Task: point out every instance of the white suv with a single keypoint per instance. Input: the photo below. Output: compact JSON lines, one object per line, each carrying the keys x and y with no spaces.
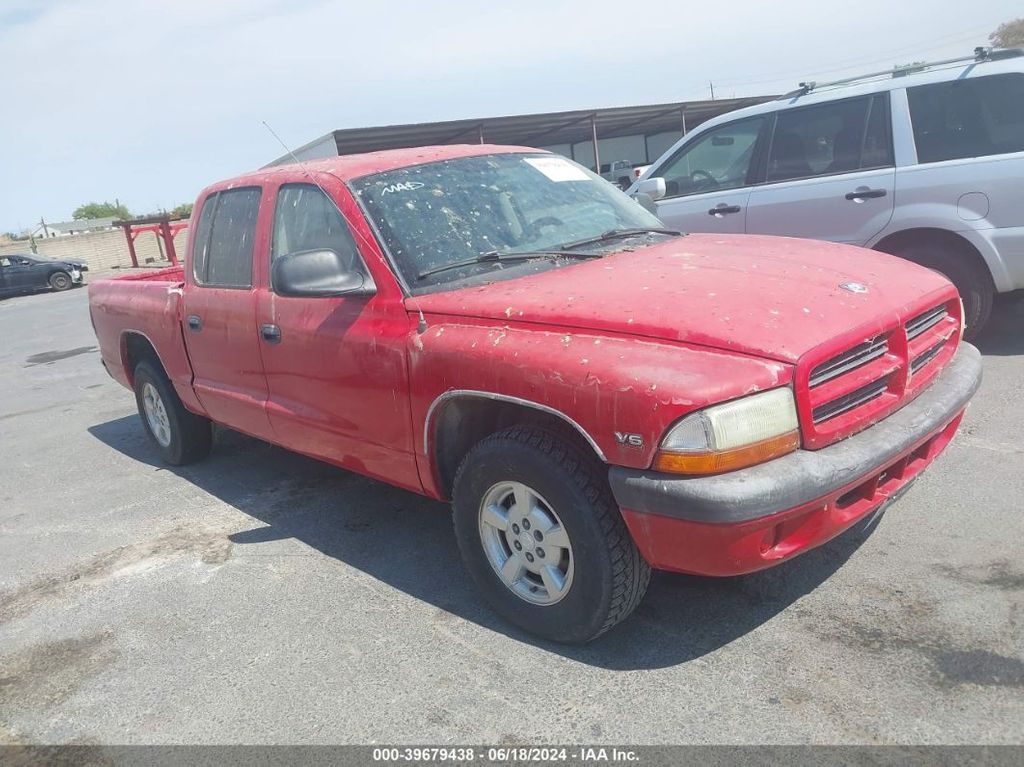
{"x":927,"y":164}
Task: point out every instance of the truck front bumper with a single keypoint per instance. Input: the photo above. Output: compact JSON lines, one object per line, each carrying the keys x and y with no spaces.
{"x":754,"y":518}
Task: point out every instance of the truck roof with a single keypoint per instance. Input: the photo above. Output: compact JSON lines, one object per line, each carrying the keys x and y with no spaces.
{"x":347,"y":167}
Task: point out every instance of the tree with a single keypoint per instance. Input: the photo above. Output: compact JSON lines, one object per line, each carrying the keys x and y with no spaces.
{"x":182,"y":211}
{"x":101,"y":210}
{"x":1008,"y":35}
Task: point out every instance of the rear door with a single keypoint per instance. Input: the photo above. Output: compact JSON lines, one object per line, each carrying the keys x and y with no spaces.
{"x":706,"y":182}
{"x":829,"y":173}
{"x":220,"y":312}
{"x":969,"y":137}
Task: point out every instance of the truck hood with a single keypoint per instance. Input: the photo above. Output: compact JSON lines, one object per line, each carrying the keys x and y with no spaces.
{"x":772,"y":297}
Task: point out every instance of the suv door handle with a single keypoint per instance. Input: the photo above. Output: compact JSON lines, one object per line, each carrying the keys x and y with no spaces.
{"x":865,"y":194}
{"x":271,"y":333}
{"x":195,"y":323}
{"x":723,"y":209}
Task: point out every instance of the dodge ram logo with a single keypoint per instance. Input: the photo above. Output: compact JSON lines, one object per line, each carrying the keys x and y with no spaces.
{"x":854,"y":287}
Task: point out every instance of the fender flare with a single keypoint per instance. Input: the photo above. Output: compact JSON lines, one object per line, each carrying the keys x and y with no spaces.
{"x":473,"y":393}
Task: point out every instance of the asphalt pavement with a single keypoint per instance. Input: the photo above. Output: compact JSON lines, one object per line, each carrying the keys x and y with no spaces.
{"x":262,"y":597}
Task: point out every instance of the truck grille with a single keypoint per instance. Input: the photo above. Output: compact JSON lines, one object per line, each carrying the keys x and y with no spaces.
{"x":856,"y":398}
{"x":922,"y":322}
{"x":849,"y":391}
{"x":923,"y":359}
{"x":847,"y":361}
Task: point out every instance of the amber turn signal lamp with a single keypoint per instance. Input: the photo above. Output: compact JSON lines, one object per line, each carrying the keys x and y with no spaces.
{"x":726,"y":460}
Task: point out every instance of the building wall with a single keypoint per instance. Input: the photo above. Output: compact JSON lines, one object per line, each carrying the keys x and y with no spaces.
{"x":659,"y":143}
{"x":632,"y":149}
{"x":563,"y":149}
{"x":318,"y":150}
{"x":102,"y":250}
{"x":628,"y":148}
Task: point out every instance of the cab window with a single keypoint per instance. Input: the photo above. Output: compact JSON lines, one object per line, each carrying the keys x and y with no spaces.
{"x":306,"y":219}
{"x":223,"y":246}
{"x":721,"y":159}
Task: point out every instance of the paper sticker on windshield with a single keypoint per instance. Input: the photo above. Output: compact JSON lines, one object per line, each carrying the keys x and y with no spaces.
{"x":558,"y":169}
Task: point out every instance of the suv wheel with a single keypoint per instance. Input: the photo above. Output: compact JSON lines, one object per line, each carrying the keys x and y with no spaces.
{"x":542,"y":537}
{"x":973,"y":282}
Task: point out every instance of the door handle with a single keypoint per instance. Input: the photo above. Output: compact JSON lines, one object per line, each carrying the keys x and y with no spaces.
{"x":723,"y":209}
{"x":271,"y":333}
{"x":865,"y":194}
{"x":195,"y":323}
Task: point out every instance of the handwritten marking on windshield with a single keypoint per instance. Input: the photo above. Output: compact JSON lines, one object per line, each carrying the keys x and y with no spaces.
{"x":402,"y":186}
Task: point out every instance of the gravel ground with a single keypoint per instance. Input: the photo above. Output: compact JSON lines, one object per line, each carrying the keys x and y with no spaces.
{"x":262,"y":597}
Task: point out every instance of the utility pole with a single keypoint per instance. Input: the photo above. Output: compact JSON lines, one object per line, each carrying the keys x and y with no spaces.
{"x":712,"y":90}
{"x":46,"y":232}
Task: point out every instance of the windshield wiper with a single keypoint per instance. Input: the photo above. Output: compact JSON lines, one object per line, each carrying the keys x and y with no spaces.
{"x":494,"y":256}
{"x":615,"y":234}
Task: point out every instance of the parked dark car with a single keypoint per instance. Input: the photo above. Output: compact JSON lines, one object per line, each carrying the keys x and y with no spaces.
{"x":25,"y":272}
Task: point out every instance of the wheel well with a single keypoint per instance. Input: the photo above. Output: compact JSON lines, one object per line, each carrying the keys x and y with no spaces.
{"x":462,"y":422}
{"x":135,"y":348}
{"x":894,"y":243}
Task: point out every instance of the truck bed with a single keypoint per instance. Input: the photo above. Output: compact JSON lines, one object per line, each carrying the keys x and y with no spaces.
{"x":141,"y":310}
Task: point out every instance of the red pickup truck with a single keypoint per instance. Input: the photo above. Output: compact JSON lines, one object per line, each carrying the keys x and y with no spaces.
{"x":595,"y":394}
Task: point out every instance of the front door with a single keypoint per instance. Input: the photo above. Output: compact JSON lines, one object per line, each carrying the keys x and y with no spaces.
{"x":220,"y":313}
{"x":830,"y":173}
{"x":336,"y":366}
{"x":706,"y":182}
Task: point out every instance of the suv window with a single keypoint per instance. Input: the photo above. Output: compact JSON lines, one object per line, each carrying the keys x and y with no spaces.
{"x":225,"y":259}
{"x":837,"y":137}
{"x":975,"y":117}
{"x":306,"y":219}
{"x":720,"y":159}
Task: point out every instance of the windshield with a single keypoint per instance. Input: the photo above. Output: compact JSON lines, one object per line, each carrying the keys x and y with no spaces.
{"x":456,"y":210}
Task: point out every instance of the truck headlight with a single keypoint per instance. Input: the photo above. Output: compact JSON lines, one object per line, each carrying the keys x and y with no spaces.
{"x":732,"y":435}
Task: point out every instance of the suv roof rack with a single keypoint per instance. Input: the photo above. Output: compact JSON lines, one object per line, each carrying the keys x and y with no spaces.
{"x":981,"y":55}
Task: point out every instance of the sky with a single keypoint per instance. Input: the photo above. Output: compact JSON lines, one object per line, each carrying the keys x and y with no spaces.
{"x":151,"y":100}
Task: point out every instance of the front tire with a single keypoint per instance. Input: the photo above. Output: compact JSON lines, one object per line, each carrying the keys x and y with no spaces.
{"x":542,"y":537}
{"x":181,"y":437}
{"x":60,"y":281}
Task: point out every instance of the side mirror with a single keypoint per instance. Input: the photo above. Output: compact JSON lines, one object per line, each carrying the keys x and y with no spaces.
{"x":653,"y":187}
{"x":646,"y":202}
{"x":318,"y":274}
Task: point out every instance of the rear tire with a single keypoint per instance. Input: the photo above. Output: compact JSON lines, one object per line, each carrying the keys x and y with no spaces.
{"x":973,"y":282}
{"x":60,"y":281}
{"x":585,"y":576}
{"x":181,"y":437}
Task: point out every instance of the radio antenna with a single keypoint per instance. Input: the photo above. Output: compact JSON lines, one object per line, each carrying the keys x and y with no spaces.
{"x":302,"y":165}
{"x":312,"y":178}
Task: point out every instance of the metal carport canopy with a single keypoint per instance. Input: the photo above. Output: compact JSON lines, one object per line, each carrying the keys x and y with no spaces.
{"x":536,"y":129}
